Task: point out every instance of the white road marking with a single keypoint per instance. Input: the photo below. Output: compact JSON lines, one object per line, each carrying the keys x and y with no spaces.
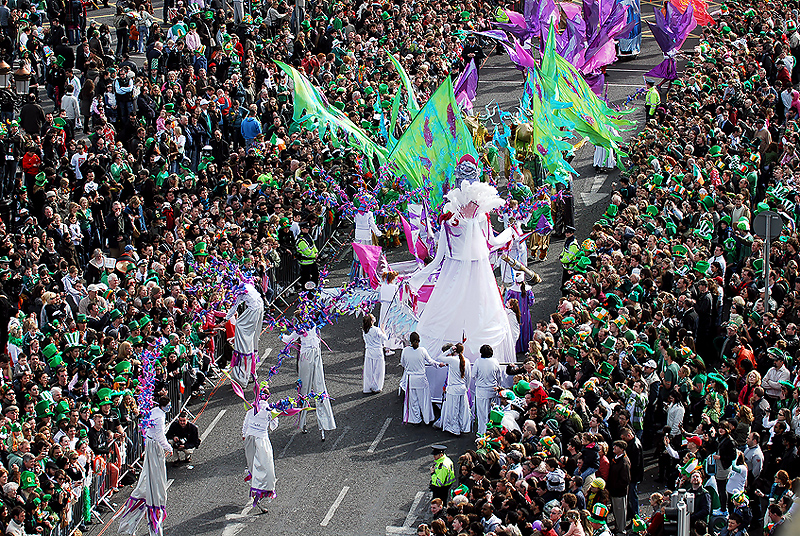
{"x":169,"y":482}
{"x":334,"y":506}
{"x":412,"y":512}
{"x":391,"y":531}
{"x":593,"y":195}
{"x":264,"y":357}
{"x":231,"y":529}
{"x":338,"y":439}
{"x":374,"y":444}
{"x":288,"y":443}
{"x":212,"y":425}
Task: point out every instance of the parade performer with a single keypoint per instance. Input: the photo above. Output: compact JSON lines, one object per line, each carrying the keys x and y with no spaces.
{"x":417,"y":406}
{"x":150,"y":494}
{"x":541,"y":225}
{"x":374,"y":364}
{"x":465,"y":299}
{"x":487,"y":380}
{"x":517,"y":248}
{"x":258,"y":421}
{"x":456,"y":416}
{"x":249,"y":312}
{"x":387,"y":293}
{"x":312,"y":377}
{"x":366,"y":227}
{"x":520,"y":292}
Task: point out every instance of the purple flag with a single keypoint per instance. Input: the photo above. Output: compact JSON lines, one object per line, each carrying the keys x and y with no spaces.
{"x":466,"y":87}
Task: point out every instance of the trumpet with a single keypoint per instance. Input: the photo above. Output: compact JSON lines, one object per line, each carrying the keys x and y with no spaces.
{"x":516,"y":265}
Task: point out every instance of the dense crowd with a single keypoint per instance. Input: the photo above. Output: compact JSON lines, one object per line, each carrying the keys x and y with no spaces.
{"x":662,"y":345}
{"x":148,"y":165}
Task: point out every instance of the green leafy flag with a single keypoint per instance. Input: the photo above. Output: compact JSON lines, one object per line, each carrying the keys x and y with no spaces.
{"x":411,"y":104}
{"x":311,"y":109}
{"x":547,"y":129}
{"x":432,"y":145}
{"x":590,"y":115}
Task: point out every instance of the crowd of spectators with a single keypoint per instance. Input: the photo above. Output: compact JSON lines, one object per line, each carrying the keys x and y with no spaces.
{"x":662,"y":350}
{"x":135,"y":155}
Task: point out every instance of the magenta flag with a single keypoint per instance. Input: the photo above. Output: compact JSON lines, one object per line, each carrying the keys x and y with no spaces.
{"x":369,"y":257}
{"x":409,"y":235}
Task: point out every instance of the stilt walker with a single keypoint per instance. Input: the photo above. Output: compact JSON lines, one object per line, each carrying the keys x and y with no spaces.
{"x":249,"y":312}
{"x":258,"y":421}
{"x":150,"y":495}
{"x":312,"y":377}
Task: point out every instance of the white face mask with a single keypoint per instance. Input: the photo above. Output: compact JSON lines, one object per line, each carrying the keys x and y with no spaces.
{"x":168,"y":408}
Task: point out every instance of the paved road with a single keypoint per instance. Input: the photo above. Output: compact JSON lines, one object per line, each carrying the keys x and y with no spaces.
{"x":372,"y":471}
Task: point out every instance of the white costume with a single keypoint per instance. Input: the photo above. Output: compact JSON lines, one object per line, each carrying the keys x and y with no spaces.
{"x":366,"y":227}
{"x":456,"y":416}
{"x":387,"y":293}
{"x":417,"y":406}
{"x":604,"y":158}
{"x":248,"y":331}
{"x":465,"y":301}
{"x":374,"y":363}
{"x":312,"y":376}
{"x":150,"y":494}
{"x":258,"y":451}
{"x":517,"y":249}
{"x":488,"y":376}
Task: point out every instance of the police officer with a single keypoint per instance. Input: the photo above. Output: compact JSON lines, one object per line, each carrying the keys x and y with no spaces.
{"x":651,"y":100}
{"x":442,"y":473}
{"x":569,"y":233}
{"x":307,"y":257}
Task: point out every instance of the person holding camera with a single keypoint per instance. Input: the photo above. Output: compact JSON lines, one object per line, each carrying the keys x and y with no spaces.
{"x":184,"y":438}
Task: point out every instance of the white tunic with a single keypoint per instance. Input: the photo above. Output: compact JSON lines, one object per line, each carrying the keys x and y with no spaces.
{"x":417,"y":407}
{"x":374,"y":363}
{"x":366,"y":227}
{"x":488,"y":376}
{"x":456,"y":416}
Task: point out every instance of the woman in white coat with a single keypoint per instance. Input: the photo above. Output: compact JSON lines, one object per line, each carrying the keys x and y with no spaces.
{"x":374,"y":364}
{"x":417,"y":407}
{"x":456,"y":416}
{"x":258,"y":421}
{"x":312,"y":378}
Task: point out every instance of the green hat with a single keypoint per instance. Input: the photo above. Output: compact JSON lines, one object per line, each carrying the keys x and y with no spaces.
{"x":644,"y":346}
{"x":679,"y":250}
{"x":115,"y":313}
{"x":41,"y":179}
{"x":27,"y":480}
{"x":55,"y":361}
{"x":702,"y":267}
{"x":609,"y":343}
{"x":652,"y":210}
{"x":95,"y":351}
{"x":788,"y":385}
{"x":599,"y":514}
{"x":62,"y":407}
{"x":49,"y":351}
{"x":582,"y":265}
{"x":707,"y":202}
{"x":743,"y":224}
{"x":715,"y":377}
{"x":144,"y":321}
{"x":638,"y":524}
{"x":123,"y":367}
{"x":43,"y":409}
{"x":611,"y":211}
{"x":605,"y":370}
{"x":104,"y":395}
{"x":133,"y":325}
{"x":73,"y":340}
{"x":715,"y":151}
{"x":200,"y":249}
{"x":383,"y":89}
{"x":573,"y":351}
{"x":496,"y":416}
{"x":62,"y":417}
{"x":169,"y":108}
{"x":521,"y":388}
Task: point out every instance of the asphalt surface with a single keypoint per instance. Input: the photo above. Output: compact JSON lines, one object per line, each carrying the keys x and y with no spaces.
{"x":370,"y":475}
